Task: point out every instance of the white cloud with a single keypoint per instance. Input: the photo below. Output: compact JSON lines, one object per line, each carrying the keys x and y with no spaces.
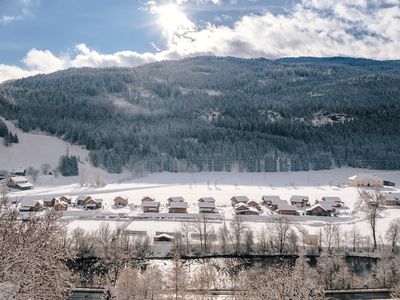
{"x":361,"y":28}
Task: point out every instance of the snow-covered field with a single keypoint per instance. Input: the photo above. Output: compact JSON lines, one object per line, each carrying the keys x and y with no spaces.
{"x":222,"y":186}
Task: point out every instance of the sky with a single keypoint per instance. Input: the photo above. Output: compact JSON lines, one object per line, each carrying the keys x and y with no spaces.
{"x":43,"y":36}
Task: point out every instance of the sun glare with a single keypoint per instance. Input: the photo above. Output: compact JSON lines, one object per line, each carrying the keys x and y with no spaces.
{"x":172,"y":19}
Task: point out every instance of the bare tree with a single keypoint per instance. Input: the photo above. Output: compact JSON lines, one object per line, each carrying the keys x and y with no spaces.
{"x":281,"y":229}
{"x":330,"y":234}
{"x":355,"y":238}
{"x":237,"y":231}
{"x":4,"y":190}
{"x":393,"y":234}
{"x":223,"y":234}
{"x":369,"y":204}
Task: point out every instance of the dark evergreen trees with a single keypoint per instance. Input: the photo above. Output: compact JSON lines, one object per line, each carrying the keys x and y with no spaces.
{"x":68,"y":165}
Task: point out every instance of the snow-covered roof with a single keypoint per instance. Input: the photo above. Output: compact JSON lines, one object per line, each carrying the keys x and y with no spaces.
{"x":25,"y":185}
{"x":19,"y":179}
{"x":365,"y":176}
{"x":150,"y":204}
{"x":392,"y":196}
{"x":241,"y":205}
{"x":206,"y":204}
{"x":272,"y":198}
{"x":207,"y":199}
{"x":30,"y":202}
{"x":164,"y":235}
{"x":246,"y":208}
{"x":240,"y":198}
{"x":82,"y":197}
{"x":334,"y":199}
{"x":286,"y":206}
{"x":175,"y":204}
{"x":298,"y":198}
{"x":176,"y":199}
{"x":327,"y":206}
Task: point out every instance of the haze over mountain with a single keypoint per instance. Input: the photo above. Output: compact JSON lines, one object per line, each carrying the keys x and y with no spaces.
{"x":220,"y":113}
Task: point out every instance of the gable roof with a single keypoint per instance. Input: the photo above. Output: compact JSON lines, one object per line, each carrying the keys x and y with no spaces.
{"x":176,"y":199}
{"x":334,"y":199}
{"x":286,"y":206}
{"x":240,"y":198}
{"x":150,"y":204}
{"x":206,"y":204}
{"x":298,"y":198}
{"x":272,"y":198}
{"x":365,"y":176}
{"x":175,"y":204}
{"x":207,"y":199}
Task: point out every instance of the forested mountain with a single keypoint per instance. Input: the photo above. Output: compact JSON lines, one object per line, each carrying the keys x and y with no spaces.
{"x":210,"y":113}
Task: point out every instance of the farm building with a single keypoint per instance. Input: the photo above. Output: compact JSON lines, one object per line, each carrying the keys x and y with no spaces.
{"x":365,"y":180}
{"x":30,"y":205}
{"x":207,"y":205}
{"x":390,"y":199}
{"x":120,"y":201}
{"x":178,"y":207}
{"x":19,"y":182}
{"x":299,"y":201}
{"x":151,"y":206}
{"x":287,"y":209}
{"x":239,"y":199}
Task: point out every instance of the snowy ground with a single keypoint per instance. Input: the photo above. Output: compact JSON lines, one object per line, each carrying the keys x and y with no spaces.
{"x":34,"y":149}
{"x":220,"y":185}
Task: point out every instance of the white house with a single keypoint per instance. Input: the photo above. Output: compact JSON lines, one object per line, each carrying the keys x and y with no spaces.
{"x":365,"y":180}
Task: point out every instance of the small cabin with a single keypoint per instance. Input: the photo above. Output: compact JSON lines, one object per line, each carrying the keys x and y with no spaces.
{"x":242,"y":209}
{"x":151,"y":206}
{"x":288,"y":210}
{"x":269,"y":200}
{"x":93,"y":203}
{"x":321,"y":209}
{"x":239,"y":199}
{"x":20,"y":183}
{"x":147,"y":199}
{"x":336,"y":200}
{"x":390,"y":199}
{"x":81,"y":200}
{"x":253,"y":203}
{"x":27,"y":205}
{"x":178,"y":207}
{"x":163,"y":238}
{"x":119,"y":201}
{"x":207,"y":205}
{"x":60,"y":206}
{"x":175,"y":199}
{"x":299,"y":201}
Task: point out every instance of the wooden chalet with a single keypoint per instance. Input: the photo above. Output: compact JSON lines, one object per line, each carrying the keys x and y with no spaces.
{"x":178,"y":207}
{"x":27,"y":205}
{"x":253,"y":203}
{"x":120,"y":201}
{"x":60,"y":206}
{"x":163,"y":238}
{"x":268,"y":200}
{"x":82,"y":199}
{"x":175,"y":199}
{"x":207,"y":205}
{"x":390,"y":199}
{"x":151,"y":206}
{"x":336,"y":200}
{"x":243,"y":209}
{"x":299,"y":201}
{"x":93,"y":203}
{"x":147,"y":199}
{"x":239,"y":199}
{"x":288,"y":210}
{"x":324,"y":208}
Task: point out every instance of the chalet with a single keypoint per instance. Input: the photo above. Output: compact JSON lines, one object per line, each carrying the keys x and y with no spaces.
{"x":268,"y":200}
{"x":67,"y":199}
{"x":60,"y":206}
{"x":289,"y":210}
{"x":253,"y":203}
{"x":242,"y":209}
{"x":49,"y":203}
{"x":31,"y":205}
{"x":239,"y":199}
{"x":19,"y":182}
{"x":207,"y":205}
{"x":147,"y":199}
{"x":336,"y":200}
{"x":178,"y":207}
{"x":151,"y":206}
{"x":365,"y":180}
{"x":81,"y":200}
{"x":390,"y":199}
{"x":324,"y":208}
{"x":93,"y":203}
{"x":163,"y":238}
{"x":119,"y":201}
{"x":299,"y":201}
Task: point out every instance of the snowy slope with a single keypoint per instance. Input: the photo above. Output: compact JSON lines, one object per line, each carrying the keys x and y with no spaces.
{"x":35,"y":149}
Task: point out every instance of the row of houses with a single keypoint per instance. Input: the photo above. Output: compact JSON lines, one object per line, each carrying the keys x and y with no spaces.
{"x":60,"y":203}
{"x":178,"y":205}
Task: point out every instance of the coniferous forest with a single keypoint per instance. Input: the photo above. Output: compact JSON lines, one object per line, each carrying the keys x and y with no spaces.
{"x":214,"y":114}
